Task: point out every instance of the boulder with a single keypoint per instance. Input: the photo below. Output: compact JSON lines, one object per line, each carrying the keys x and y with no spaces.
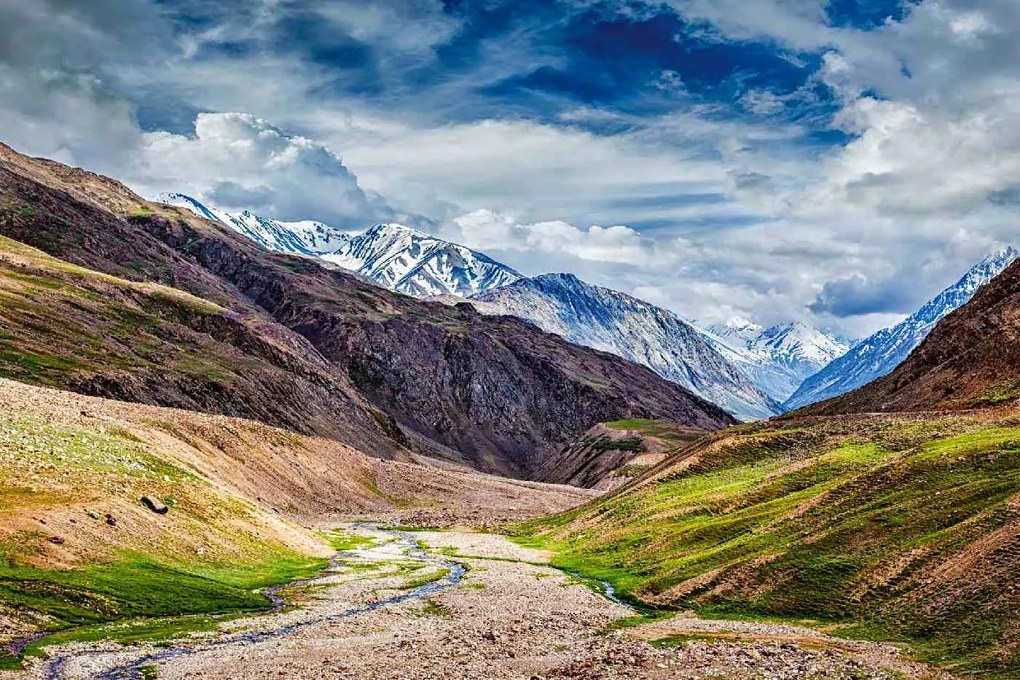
{"x":155,"y":505}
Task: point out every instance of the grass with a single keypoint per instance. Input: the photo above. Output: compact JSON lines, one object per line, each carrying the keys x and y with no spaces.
{"x":836,"y":522}
{"x":127,"y":583}
{"x":343,"y":540}
{"x":432,"y":608}
{"x":139,"y":599}
{"x":424,"y":579}
{"x":106,"y":324}
{"x":998,"y":393}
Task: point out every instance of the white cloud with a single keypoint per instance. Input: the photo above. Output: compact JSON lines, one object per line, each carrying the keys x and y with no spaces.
{"x":724,"y":216}
{"x":486,"y":230}
{"x":238,"y":161}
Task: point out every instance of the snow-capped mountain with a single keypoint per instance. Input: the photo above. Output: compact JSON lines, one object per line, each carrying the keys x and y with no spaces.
{"x":614,"y":322}
{"x":880,"y":353}
{"x":777,"y":359}
{"x":416,"y":263}
{"x":299,"y":238}
{"x":394,"y":256}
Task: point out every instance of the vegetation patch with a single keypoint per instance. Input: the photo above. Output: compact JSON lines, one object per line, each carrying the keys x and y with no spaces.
{"x":424,"y":579}
{"x":344,"y":540}
{"x":893,"y":528}
{"x":432,"y":608}
{"x":128,"y":585}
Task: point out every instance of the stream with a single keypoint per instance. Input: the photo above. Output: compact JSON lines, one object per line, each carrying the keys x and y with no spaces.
{"x":55,"y":668}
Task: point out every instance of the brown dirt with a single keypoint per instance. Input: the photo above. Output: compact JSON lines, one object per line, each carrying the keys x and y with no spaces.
{"x":253,"y":482}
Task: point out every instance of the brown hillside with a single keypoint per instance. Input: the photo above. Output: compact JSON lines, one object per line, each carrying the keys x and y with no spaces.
{"x":495,"y":389}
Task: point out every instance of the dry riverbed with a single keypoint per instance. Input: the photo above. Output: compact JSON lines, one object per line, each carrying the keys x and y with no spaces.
{"x":506,"y":616}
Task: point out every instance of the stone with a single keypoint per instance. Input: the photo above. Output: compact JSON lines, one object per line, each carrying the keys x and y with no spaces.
{"x":155,"y":505}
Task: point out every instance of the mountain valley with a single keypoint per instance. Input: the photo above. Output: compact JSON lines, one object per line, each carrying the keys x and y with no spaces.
{"x":338,"y":475}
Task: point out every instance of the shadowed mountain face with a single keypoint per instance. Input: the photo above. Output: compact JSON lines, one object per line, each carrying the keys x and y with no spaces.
{"x":970,"y":359}
{"x":492,"y":391}
{"x":636,"y":330}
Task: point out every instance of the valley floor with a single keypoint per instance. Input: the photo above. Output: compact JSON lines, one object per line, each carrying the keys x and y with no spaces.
{"x":456,"y":604}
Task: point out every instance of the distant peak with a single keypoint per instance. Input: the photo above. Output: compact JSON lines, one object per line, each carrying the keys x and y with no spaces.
{"x":1003,"y":252}
{"x":558,"y":276}
{"x":393,"y":228}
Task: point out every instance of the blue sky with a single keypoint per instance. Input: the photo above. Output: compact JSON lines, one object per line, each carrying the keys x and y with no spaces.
{"x":719,"y":157}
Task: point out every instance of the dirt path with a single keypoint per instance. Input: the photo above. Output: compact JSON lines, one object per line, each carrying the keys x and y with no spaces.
{"x":469,"y":606}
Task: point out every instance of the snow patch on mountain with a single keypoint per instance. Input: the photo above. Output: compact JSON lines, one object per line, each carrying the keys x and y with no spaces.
{"x":394,"y":256}
{"x":777,"y":359}
{"x":413,"y":262}
{"x":633,"y":329}
{"x":882,"y":352}
{"x":299,"y":238}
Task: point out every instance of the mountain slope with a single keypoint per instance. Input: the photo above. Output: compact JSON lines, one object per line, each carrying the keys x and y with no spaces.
{"x":882,"y":352}
{"x":900,"y":528}
{"x":73,"y":328}
{"x":70,"y":462}
{"x":492,"y":391}
{"x":410,"y":261}
{"x":611,"y":321}
{"x":298,"y":238}
{"x":779,"y":358}
{"x":970,"y":359}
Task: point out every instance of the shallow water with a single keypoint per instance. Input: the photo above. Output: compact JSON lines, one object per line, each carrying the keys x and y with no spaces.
{"x":55,"y":669}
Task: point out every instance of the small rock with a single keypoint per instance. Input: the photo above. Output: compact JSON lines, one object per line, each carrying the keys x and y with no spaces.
{"x":111,"y":520}
{"x":93,"y":514}
{"x":155,"y":505}
{"x":56,"y":540}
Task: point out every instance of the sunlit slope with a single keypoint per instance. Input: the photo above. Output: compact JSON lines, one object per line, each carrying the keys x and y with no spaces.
{"x":904,"y":528}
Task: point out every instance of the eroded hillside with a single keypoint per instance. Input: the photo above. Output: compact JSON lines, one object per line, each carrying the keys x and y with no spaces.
{"x":885,"y":527}
{"x":79,"y":545}
{"x":493,"y":391}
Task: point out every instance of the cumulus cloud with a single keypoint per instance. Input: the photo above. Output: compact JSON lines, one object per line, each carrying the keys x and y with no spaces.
{"x":487,"y":230}
{"x":238,"y":161}
{"x":55,"y":99}
{"x":725,"y":214}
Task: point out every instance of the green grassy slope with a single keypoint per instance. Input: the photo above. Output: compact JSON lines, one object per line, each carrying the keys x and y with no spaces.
{"x":78,"y":548}
{"x":902,"y":528}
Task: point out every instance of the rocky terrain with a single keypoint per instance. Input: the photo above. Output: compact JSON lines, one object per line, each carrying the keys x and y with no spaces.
{"x":491,"y":391}
{"x":393,"y":610}
{"x":611,"y":454}
{"x":74,"y":470}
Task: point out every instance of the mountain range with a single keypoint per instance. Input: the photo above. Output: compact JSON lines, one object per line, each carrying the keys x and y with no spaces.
{"x":400,"y":258}
{"x":778,"y":358}
{"x":636,"y":330}
{"x":882,"y":352}
{"x":969,"y":359}
{"x":752,"y":371}
{"x":302,"y":392}
{"x":160,"y":305}
{"x":306,"y":237}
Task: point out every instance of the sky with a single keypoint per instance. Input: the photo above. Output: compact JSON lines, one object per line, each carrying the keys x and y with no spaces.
{"x":836,"y":162}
